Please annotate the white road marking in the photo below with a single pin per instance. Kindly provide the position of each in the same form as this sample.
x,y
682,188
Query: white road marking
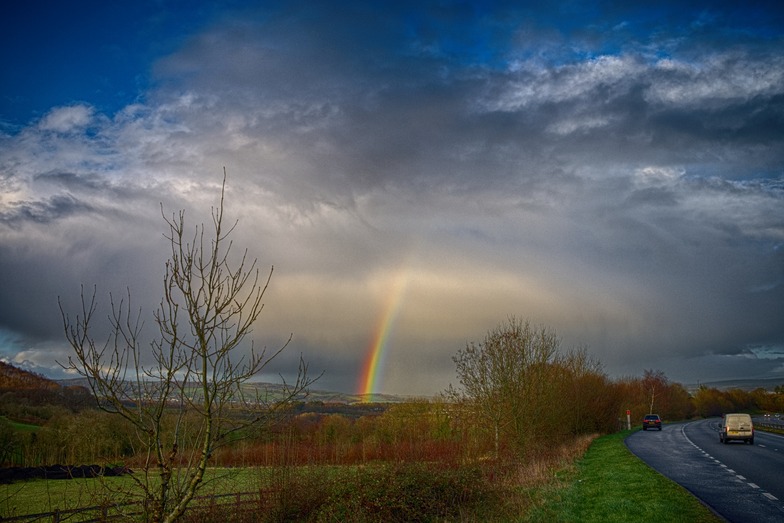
x,y
738,476
704,453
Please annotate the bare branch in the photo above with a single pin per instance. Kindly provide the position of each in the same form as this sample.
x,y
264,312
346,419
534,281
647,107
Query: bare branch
x,y
189,397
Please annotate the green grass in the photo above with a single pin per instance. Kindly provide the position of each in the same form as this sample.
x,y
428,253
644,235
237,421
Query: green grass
x,y
38,496
611,484
22,427
773,430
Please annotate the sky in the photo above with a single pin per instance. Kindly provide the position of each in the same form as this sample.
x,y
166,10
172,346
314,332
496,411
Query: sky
x,y
417,172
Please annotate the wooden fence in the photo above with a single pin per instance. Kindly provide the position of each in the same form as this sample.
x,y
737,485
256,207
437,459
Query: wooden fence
x,y
240,502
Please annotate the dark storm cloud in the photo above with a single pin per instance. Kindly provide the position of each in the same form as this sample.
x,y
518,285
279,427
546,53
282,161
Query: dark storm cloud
x,y
613,171
366,128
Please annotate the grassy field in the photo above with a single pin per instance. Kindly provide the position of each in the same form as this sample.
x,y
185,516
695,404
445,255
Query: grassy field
x,y
23,427
611,484
38,496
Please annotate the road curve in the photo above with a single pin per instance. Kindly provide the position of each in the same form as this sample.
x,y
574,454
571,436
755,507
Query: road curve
x,y
740,482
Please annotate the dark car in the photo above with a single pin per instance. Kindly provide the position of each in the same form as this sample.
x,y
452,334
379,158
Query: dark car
x,y
651,421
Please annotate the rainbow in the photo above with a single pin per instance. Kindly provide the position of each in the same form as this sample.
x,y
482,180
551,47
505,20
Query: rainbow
x,y
374,360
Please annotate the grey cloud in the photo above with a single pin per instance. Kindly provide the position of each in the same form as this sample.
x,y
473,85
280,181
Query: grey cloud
x,y
655,196
363,125
74,181
51,196
44,211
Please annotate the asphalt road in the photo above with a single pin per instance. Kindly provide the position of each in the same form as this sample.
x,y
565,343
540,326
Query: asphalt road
x,y
740,482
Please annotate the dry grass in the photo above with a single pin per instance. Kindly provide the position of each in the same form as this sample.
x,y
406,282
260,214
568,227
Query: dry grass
x,y
545,466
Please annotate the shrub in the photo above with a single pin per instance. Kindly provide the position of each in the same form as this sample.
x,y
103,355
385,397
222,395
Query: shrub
x,y
404,492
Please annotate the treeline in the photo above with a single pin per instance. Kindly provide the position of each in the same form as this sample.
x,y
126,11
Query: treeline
x,y
713,402
655,393
567,397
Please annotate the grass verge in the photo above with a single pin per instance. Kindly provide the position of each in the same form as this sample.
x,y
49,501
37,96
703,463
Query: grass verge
x,y
611,484
772,430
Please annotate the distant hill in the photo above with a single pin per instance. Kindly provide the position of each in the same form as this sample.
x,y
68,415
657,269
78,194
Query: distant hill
x,y
342,397
275,390
27,397
14,378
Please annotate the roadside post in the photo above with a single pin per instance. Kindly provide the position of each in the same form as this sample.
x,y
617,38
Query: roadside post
x,y
628,419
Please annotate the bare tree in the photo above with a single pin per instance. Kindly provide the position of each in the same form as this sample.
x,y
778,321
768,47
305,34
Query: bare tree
x,y
505,377
654,383
190,399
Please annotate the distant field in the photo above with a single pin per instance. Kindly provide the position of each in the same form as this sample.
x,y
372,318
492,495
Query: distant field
x,y
24,427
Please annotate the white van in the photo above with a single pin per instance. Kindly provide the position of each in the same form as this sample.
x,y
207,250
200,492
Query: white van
x,y
736,426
